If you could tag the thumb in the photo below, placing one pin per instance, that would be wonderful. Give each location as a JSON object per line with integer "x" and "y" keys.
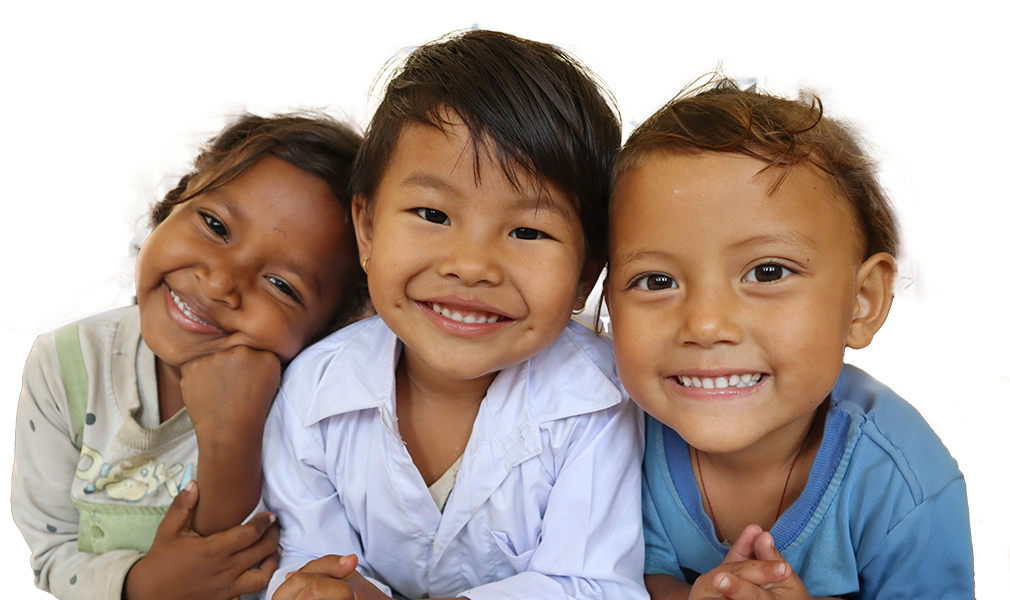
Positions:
{"x": 336, "y": 566}
{"x": 177, "y": 517}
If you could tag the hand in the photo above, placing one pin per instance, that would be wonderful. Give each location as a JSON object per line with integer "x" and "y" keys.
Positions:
{"x": 753, "y": 569}
{"x": 182, "y": 565}
{"x": 230, "y": 390}
{"x": 332, "y": 577}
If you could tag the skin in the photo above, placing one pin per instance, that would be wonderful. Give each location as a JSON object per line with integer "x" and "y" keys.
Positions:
{"x": 713, "y": 277}
{"x": 257, "y": 265}
{"x": 477, "y": 247}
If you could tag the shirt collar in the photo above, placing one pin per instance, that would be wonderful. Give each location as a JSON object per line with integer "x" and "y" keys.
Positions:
{"x": 574, "y": 375}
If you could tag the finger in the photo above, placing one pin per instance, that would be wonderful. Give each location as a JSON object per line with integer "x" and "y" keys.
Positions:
{"x": 177, "y": 518}
{"x": 736, "y": 588}
{"x": 260, "y": 550}
{"x": 258, "y": 577}
{"x": 313, "y": 586}
{"x": 743, "y": 547}
{"x": 764, "y": 548}
{"x": 336, "y": 566}
{"x": 240, "y": 537}
{"x": 760, "y": 572}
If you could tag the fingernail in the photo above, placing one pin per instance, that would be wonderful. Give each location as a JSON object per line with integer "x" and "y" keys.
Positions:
{"x": 190, "y": 486}
{"x": 342, "y": 561}
{"x": 721, "y": 582}
{"x": 288, "y": 576}
{"x": 272, "y": 518}
{"x": 781, "y": 569}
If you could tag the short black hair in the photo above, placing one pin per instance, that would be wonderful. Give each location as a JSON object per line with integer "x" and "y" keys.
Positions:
{"x": 533, "y": 106}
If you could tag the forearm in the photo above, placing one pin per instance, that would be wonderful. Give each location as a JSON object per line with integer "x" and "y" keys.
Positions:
{"x": 229, "y": 472}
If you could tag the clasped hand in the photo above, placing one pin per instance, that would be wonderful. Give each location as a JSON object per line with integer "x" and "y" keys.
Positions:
{"x": 752, "y": 570}
{"x": 183, "y": 565}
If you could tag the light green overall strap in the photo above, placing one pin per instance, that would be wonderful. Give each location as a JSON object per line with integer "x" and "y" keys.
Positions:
{"x": 75, "y": 377}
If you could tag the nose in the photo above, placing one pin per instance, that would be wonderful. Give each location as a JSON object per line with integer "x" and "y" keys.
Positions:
{"x": 709, "y": 317}
{"x": 472, "y": 259}
{"x": 221, "y": 283}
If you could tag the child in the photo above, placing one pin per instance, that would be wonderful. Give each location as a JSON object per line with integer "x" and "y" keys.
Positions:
{"x": 751, "y": 243}
{"x": 251, "y": 258}
{"x": 470, "y": 439}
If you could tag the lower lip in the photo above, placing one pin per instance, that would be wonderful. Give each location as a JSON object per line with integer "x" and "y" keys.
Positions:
{"x": 182, "y": 320}
{"x": 457, "y": 328}
{"x": 726, "y": 393}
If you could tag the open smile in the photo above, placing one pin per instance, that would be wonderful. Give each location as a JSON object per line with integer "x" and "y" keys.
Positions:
{"x": 745, "y": 380}
{"x": 188, "y": 317}
{"x": 466, "y": 319}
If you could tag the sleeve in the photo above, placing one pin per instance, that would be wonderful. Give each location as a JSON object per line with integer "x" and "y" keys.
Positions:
{"x": 927, "y": 554}
{"x": 297, "y": 489}
{"x": 45, "y": 460}
{"x": 591, "y": 543}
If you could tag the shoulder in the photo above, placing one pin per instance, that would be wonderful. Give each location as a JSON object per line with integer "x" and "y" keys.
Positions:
{"x": 355, "y": 362}
{"x": 887, "y": 429}
{"x": 576, "y": 374}
{"x": 92, "y": 336}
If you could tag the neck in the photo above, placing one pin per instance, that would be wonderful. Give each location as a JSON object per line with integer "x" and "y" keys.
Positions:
{"x": 773, "y": 453}
{"x": 169, "y": 389}
{"x": 421, "y": 382}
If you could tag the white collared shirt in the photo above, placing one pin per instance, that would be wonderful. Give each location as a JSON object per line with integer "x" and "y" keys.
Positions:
{"x": 547, "y": 501}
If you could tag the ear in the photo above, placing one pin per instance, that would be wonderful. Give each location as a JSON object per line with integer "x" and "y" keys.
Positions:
{"x": 587, "y": 281}
{"x": 874, "y": 293}
{"x": 362, "y": 217}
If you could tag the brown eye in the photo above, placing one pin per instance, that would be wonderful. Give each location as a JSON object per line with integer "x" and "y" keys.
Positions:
{"x": 767, "y": 273}
{"x": 654, "y": 282}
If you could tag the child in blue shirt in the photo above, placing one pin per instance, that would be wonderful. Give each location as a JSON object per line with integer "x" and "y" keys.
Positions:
{"x": 470, "y": 440}
{"x": 751, "y": 243}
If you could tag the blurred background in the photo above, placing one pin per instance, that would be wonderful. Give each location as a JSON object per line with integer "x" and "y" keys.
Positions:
{"x": 104, "y": 104}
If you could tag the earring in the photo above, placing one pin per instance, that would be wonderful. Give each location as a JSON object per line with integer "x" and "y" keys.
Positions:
{"x": 582, "y": 301}
{"x": 364, "y": 265}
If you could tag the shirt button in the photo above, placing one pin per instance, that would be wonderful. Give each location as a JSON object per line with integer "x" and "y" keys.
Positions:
{"x": 97, "y": 532}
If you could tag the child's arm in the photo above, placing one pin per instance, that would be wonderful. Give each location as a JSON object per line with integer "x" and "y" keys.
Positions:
{"x": 228, "y": 395}
{"x": 182, "y": 565}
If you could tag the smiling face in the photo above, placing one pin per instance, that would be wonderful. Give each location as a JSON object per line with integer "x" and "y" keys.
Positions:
{"x": 731, "y": 308}
{"x": 472, "y": 275}
{"x": 257, "y": 262}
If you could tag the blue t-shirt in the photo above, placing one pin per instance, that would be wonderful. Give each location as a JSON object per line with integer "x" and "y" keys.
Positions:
{"x": 884, "y": 513}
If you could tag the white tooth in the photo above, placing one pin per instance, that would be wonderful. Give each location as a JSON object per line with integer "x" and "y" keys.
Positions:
{"x": 734, "y": 379}
{"x": 695, "y": 382}
{"x": 469, "y": 319}
{"x": 436, "y": 308}
{"x": 456, "y": 317}
{"x": 492, "y": 319}
{"x": 482, "y": 319}
{"x": 684, "y": 381}
{"x": 721, "y": 382}
{"x": 707, "y": 383}
{"x": 745, "y": 379}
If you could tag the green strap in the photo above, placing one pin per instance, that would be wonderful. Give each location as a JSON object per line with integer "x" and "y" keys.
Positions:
{"x": 75, "y": 377}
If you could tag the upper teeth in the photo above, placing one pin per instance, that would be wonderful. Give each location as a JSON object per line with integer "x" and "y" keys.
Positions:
{"x": 185, "y": 309}
{"x": 445, "y": 311}
{"x": 709, "y": 383}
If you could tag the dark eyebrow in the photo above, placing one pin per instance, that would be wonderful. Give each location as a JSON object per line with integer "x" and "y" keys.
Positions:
{"x": 523, "y": 202}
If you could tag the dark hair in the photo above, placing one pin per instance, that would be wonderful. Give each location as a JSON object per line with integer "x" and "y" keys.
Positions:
{"x": 314, "y": 142}
{"x": 532, "y": 106}
{"x": 720, "y": 117}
